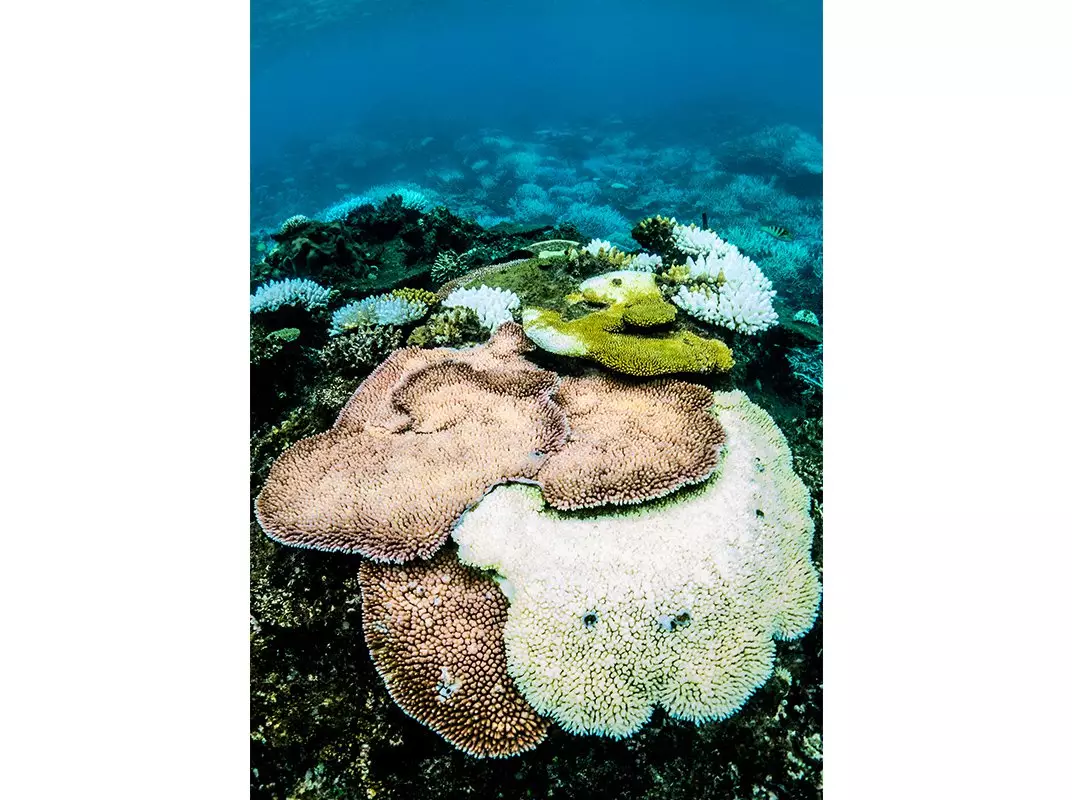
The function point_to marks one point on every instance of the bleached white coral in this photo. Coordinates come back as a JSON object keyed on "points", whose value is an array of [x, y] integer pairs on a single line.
{"points": [[695, 241], [732, 292], [672, 603], [383, 309], [289, 292], [645, 262], [342, 208], [493, 307], [596, 246]]}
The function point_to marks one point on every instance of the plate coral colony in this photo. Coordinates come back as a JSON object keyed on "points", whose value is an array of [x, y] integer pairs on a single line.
{"points": [[567, 514]]}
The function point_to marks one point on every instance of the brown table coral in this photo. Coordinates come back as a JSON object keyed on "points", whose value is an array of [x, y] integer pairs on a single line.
{"points": [[424, 437]]}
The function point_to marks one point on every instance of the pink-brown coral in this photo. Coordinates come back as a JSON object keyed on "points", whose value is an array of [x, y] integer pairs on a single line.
{"points": [[423, 438], [630, 442], [435, 632]]}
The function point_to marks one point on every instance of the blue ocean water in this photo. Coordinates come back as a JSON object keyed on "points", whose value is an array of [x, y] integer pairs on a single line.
{"points": [[595, 112]]}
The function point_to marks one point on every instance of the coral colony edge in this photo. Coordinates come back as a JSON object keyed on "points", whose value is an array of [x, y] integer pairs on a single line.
{"points": [[541, 492]]}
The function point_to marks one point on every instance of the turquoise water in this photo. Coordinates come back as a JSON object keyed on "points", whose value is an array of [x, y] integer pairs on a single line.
{"points": [[427, 149]]}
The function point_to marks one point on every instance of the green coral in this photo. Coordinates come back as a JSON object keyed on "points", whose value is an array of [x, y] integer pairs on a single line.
{"points": [[266, 345], [449, 328], [624, 336], [416, 295]]}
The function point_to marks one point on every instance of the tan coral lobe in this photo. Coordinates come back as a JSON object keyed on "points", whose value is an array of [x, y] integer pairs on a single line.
{"points": [[630, 442], [435, 632], [423, 438]]}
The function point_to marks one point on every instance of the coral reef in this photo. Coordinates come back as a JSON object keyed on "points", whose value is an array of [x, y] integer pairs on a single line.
{"points": [[622, 336], [361, 347], [629, 443], [290, 292], [655, 233], [434, 630], [492, 306], [451, 327], [384, 309], [323, 724], [615, 613], [456, 420]]}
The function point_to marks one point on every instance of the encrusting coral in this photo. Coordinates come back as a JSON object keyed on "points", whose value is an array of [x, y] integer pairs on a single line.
{"points": [[622, 336], [629, 443], [672, 603], [423, 437], [434, 630]]}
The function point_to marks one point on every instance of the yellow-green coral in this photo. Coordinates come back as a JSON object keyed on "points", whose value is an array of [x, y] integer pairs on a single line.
{"points": [[623, 335], [599, 336], [416, 295]]}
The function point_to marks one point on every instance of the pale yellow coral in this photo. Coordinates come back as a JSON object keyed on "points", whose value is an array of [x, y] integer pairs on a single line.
{"points": [[672, 603]]}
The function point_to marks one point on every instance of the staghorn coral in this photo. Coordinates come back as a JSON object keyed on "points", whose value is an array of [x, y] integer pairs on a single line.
{"points": [[621, 336], [629, 443], [672, 603], [434, 630], [450, 327], [422, 438], [361, 347]]}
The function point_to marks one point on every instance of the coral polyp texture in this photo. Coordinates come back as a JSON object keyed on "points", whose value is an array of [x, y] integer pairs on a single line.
{"points": [[434, 630], [673, 603], [422, 438], [629, 443], [625, 336]]}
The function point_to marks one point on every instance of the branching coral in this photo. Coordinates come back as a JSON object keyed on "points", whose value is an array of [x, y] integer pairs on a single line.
{"points": [[384, 309], [361, 347], [492, 307], [450, 327], [299, 292]]}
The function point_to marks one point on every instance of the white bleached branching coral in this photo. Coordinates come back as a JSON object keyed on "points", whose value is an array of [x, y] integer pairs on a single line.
{"points": [[493, 307], [384, 309], [725, 287], [673, 603], [645, 262], [299, 292]]}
